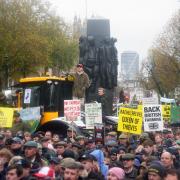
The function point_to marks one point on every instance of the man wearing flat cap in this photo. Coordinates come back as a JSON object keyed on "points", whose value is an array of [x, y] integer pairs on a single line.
{"points": [[81, 83], [128, 166]]}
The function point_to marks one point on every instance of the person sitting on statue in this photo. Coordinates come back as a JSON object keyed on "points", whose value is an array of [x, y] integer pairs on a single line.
{"points": [[81, 83]]}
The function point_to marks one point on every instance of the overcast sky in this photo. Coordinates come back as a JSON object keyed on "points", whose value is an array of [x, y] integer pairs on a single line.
{"points": [[135, 23]]}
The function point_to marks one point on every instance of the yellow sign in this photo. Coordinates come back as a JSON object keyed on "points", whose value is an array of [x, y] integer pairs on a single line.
{"points": [[130, 120], [6, 117], [166, 112]]}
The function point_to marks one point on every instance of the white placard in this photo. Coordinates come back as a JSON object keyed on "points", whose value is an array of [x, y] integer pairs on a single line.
{"points": [[93, 114], [150, 100], [27, 96], [153, 120], [72, 109]]}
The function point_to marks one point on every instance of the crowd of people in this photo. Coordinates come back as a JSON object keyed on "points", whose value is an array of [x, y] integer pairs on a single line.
{"points": [[44, 155]]}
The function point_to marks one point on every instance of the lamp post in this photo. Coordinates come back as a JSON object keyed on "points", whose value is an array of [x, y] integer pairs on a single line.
{"points": [[6, 71]]}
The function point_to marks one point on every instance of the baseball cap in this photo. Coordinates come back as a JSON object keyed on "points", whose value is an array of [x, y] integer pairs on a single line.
{"points": [[54, 160], [16, 140], [87, 157], [79, 65], [45, 172]]}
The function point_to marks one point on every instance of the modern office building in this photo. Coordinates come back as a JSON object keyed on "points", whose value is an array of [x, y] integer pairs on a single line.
{"points": [[129, 65]]}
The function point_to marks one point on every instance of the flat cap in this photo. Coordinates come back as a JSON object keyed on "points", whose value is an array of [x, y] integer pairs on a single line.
{"points": [[80, 137], [31, 144], [112, 133], [123, 136], [128, 156], [60, 143]]}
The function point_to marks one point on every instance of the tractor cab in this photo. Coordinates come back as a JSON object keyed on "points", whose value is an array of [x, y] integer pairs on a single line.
{"points": [[48, 93]]}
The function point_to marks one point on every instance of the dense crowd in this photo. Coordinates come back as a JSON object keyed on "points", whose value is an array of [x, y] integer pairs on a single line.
{"points": [[44, 155]]}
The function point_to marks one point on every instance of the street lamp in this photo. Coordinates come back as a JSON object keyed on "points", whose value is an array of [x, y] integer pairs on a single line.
{"points": [[6, 71]]}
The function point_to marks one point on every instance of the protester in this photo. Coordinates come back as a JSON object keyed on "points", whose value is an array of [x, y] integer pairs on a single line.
{"points": [[116, 173], [81, 83]]}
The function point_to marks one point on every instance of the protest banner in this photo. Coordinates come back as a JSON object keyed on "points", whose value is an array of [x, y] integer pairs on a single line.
{"points": [[31, 116], [130, 120], [6, 117], [153, 120], [166, 112], [175, 114], [93, 114], [72, 109]]}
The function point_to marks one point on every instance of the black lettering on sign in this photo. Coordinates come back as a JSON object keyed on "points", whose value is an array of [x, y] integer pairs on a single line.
{"points": [[130, 127], [151, 109]]}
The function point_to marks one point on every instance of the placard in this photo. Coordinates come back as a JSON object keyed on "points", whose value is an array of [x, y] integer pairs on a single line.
{"points": [[6, 117], [72, 109], [27, 96], [153, 120], [166, 112], [130, 120], [93, 114]]}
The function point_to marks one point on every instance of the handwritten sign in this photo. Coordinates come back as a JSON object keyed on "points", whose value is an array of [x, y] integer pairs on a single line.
{"points": [[130, 120], [72, 109], [93, 114]]}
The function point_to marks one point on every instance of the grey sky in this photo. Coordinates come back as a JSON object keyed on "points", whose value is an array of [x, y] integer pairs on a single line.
{"points": [[135, 23]]}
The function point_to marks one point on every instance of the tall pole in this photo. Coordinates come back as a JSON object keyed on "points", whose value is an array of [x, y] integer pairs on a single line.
{"points": [[86, 7]]}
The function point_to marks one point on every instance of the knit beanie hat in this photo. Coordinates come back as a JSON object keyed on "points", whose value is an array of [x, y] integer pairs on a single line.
{"points": [[118, 172]]}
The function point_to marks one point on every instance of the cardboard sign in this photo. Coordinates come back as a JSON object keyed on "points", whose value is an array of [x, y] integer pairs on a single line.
{"points": [[130, 120], [72, 109], [93, 114], [153, 120], [6, 117], [166, 112]]}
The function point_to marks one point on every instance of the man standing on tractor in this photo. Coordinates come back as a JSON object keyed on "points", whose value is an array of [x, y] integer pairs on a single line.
{"points": [[81, 83]]}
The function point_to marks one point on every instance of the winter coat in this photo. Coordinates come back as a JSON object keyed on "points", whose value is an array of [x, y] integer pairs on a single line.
{"points": [[81, 83]]}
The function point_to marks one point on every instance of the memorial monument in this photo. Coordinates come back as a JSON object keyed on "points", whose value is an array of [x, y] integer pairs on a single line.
{"points": [[98, 54]]}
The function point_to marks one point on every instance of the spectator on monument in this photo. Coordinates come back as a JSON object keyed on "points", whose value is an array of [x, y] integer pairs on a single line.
{"points": [[18, 124], [81, 83]]}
